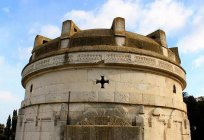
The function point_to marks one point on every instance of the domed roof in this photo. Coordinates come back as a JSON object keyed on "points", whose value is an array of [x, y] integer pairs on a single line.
{"points": [[116, 38], [106, 37]]}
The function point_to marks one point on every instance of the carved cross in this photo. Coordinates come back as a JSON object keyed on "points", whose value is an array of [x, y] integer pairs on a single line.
{"points": [[102, 81]]}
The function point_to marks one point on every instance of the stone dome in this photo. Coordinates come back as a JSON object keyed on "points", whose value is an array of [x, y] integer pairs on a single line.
{"points": [[106, 37], [106, 40]]}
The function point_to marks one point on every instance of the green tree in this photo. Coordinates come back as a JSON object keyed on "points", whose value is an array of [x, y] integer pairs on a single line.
{"points": [[2, 137], [1, 128], [14, 122], [8, 128], [196, 116]]}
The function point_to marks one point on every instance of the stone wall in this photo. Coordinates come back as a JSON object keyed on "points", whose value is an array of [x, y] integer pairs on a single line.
{"points": [[125, 86], [132, 98], [47, 121], [91, 132]]}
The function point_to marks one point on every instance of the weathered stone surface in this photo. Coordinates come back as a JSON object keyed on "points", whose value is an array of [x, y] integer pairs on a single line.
{"points": [[139, 98], [108, 58], [87, 132]]}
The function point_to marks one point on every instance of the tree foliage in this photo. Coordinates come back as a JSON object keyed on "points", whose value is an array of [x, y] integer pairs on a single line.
{"points": [[196, 116], [8, 133], [2, 137], [14, 123]]}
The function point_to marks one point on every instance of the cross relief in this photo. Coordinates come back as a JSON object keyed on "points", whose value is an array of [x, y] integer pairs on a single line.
{"points": [[102, 81]]}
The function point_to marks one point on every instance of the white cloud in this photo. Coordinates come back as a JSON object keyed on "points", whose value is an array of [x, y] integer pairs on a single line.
{"points": [[193, 41], [8, 103], [9, 73], [170, 15], [6, 10], [11, 92], [24, 53], [2, 60], [5, 35], [50, 31], [199, 61], [103, 16], [6, 96]]}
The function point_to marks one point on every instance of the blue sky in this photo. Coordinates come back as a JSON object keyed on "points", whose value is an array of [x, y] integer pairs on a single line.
{"points": [[22, 20]]}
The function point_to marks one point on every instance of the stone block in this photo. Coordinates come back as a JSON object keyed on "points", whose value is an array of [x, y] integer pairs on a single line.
{"points": [[54, 88], [120, 41], [74, 86], [122, 97], [64, 97], [76, 97], [169, 102], [118, 26], [45, 108], [148, 99], [76, 107], [45, 135], [160, 101], [105, 96], [165, 51], [87, 132], [176, 103], [76, 75], [125, 87], [19, 135], [75, 116], [19, 127], [39, 40], [52, 98], [184, 107], [46, 116], [64, 43], [84, 96], [68, 28], [35, 135], [46, 126], [159, 36], [28, 126], [135, 98], [27, 102], [131, 76], [38, 99]]}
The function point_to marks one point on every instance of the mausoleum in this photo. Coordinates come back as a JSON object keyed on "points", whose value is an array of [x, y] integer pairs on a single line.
{"points": [[103, 84]]}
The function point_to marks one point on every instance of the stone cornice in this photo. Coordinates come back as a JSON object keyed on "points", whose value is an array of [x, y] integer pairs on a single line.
{"points": [[111, 59], [106, 48]]}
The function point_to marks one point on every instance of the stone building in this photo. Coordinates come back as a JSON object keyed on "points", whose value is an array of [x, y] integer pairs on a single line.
{"points": [[103, 84]]}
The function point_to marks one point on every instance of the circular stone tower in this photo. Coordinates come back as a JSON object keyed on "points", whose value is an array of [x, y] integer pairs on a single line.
{"points": [[107, 84]]}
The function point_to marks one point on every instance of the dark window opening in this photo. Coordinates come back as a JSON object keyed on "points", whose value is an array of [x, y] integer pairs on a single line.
{"points": [[75, 30], [45, 41], [174, 89], [31, 88], [153, 37]]}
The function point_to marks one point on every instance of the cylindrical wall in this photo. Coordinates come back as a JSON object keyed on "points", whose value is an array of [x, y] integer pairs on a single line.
{"points": [[136, 95], [125, 86]]}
